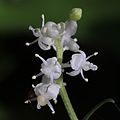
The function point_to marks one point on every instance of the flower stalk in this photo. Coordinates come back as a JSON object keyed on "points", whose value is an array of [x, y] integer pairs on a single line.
{"points": [[58, 36], [63, 92]]}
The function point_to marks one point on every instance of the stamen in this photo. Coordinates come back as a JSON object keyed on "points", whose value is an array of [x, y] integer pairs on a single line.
{"points": [[36, 55], [27, 101], [92, 55], [51, 107], [30, 100], [86, 79], [95, 53], [43, 20], [55, 100], [33, 86], [28, 44], [35, 76]]}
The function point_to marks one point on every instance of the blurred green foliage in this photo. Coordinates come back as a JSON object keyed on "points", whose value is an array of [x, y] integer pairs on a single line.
{"points": [[19, 14]]}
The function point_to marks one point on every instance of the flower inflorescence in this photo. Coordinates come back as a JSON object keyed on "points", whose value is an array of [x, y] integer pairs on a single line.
{"points": [[51, 69]]}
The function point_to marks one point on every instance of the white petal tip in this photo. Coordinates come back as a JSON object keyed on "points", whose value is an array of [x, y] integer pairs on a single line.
{"points": [[95, 53], [33, 77], [27, 44], [36, 55], [86, 79]]}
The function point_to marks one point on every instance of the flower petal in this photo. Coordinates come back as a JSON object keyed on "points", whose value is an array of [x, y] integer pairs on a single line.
{"points": [[77, 61], [51, 29], [36, 31], [73, 46], [71, 27], [53, 90], [51, 107], [61, 27], [40, 89], [43, 46], [93, 67], [52, 61], [45, 79], [45, 43], [73, 73]]}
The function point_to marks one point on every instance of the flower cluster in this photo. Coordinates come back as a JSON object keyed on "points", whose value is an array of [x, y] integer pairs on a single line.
{"points": [[50, 31], [51, 69]]}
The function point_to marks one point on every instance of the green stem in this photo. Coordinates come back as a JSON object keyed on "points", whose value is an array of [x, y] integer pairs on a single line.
{"points": [[63, 92]]}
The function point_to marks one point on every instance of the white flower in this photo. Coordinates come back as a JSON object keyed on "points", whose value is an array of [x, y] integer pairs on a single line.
{"points": [[62, 31], [79, 63], [44, 42], [46, 92], [51, 68], [67, 42], [52, 31]]}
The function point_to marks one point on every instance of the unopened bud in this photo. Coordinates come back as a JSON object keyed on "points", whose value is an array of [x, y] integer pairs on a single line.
{"points": [[75, 14]]}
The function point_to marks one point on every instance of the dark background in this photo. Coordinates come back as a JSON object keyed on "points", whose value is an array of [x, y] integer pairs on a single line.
{"points": [[98, 30]]}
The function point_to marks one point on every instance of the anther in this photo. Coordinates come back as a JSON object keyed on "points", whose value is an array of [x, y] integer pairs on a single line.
{"points": [[34, 77], [27, 101], [27, 44], [36, 55], [43, 20], [75, 39], [86, 79], [95, 53], [33, 86]]}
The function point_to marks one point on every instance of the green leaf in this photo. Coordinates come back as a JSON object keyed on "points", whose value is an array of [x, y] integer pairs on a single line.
{"points": [[90, 113]]}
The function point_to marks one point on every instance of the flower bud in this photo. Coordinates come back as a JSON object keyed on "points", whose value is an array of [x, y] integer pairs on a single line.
{"points": [[75, 14]]}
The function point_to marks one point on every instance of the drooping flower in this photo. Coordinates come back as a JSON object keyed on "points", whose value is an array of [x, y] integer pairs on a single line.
{"points": [[44, 93], [44, 42], [51, 68], [79, 62]]}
